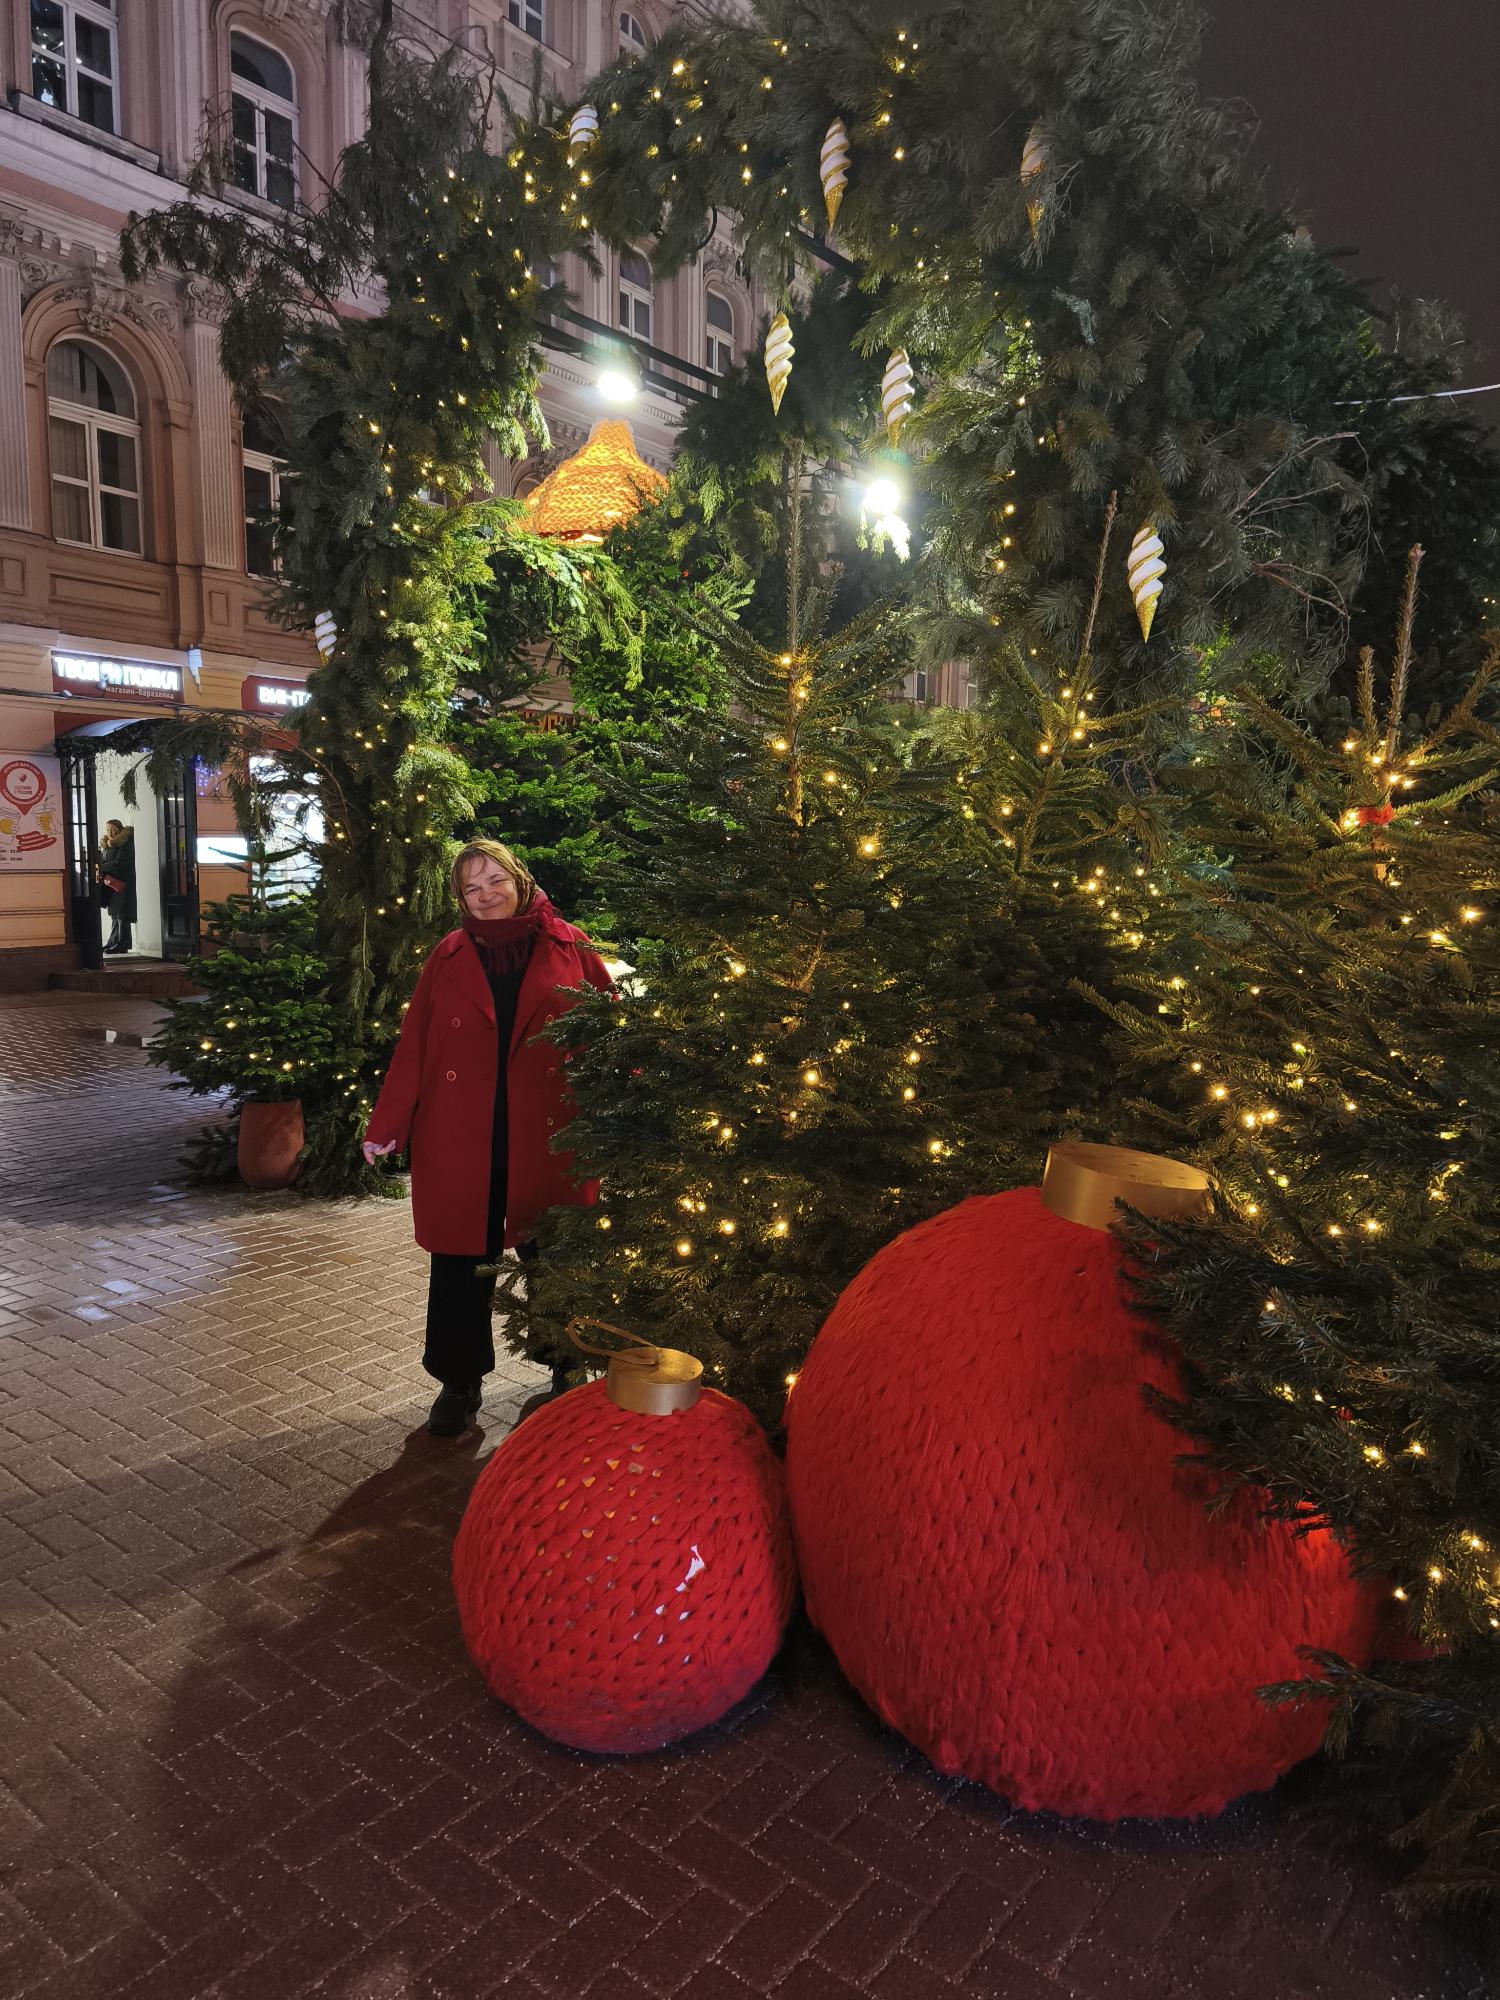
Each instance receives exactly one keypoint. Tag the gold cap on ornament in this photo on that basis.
(1082, 1183)
(648, 1381)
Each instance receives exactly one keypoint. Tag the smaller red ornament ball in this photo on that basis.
(624, 1580)
(1000, 1544)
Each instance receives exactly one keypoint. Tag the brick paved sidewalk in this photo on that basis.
(245, 1755)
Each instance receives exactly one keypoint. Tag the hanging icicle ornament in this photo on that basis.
(326, 633)
(896, 396)
(833, 168)
(584, 129)
(779, 352)
(1036, 158)
(1146, 570)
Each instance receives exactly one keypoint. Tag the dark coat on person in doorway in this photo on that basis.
(439, 1092)
(117, 858)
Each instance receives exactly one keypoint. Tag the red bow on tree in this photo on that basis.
(1376, 815)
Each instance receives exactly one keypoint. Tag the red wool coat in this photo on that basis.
(439, 1093)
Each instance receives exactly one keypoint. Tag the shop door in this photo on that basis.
(177, 832)
(82, 810)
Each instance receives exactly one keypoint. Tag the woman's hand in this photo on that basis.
(372, 1152)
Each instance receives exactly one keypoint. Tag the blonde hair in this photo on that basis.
(491, 850)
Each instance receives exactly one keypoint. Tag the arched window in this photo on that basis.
(530, 16)
(73, 58)
(263, 452)
(94, 445)
(635, 294)
(632, 36)
(720, 316)
(263, 112)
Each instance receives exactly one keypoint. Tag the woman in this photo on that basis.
(117, 883)
(480, 1102)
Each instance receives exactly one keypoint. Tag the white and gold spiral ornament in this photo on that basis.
(584, 128)
(1146, 570)
(1036, 158)
(833, 168)
(896, 393)
(326, 633)
(779, 352)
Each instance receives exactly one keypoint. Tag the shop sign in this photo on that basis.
(265, 696)
(142, 680)
(31, 814)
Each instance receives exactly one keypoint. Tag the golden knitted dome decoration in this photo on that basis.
(598, 488)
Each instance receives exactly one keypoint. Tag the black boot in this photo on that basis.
(455, 1409)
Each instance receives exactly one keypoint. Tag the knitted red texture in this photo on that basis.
(624, 1580)
(1011, 1568)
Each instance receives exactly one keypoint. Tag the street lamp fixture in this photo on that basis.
(617, 386)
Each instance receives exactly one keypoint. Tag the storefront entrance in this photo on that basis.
(163, 832)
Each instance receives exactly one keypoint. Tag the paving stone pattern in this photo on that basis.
(245, 1755)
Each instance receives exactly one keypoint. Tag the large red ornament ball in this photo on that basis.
(997, 1540)
(624, 1580)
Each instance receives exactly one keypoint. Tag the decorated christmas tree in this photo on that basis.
(1339, 1045)
(852, 1001)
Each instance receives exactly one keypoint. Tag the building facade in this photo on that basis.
(133, 494)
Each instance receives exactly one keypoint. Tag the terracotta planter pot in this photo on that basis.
(271, 1138)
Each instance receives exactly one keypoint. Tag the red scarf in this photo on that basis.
(504, 943)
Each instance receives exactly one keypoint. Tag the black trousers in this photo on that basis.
(460, 1337)
(460, 1345)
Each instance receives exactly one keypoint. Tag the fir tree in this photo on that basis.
(1339, 1046)
(782, 1086)
(631, 663)
(850, 1005)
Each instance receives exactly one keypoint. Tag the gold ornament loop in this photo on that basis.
(1082, 1183)
(648, 1381)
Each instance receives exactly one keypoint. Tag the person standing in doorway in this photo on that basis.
(117, 883)
(479, 1102)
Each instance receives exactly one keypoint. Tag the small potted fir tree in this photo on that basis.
(262, 1032)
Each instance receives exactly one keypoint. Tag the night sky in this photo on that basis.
(1378, 126)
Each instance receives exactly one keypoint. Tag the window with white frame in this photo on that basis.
(529, 16)
(970, 687)
(263, 120)
(94, 449)
(263, 456)
(635, 294)
(921, 685)
(632, 36)
(720, 316)
(73, 59)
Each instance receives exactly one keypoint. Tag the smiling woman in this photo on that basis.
(479, 1103)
